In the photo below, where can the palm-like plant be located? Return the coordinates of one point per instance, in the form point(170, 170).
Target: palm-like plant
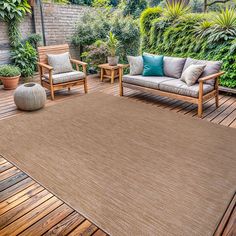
point(112, 44)
point(203, 28)
point(175, 9)
point(224, 26)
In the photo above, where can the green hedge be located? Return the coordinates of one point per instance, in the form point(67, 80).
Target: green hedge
point(179, 38)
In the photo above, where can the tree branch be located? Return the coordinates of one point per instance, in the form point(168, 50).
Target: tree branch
point(217, 1)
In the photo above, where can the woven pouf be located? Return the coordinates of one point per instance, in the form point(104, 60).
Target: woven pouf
point(30, 97)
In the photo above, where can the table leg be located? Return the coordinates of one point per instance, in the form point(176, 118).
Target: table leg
point(102, 72)
point(112, 76)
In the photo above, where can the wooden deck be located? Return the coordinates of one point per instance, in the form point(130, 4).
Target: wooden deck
point(224, 115)
point(27, 208)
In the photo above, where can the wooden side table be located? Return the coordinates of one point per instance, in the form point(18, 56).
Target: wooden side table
point(110, 72)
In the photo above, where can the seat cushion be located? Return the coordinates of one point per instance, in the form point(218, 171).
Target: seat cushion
point(173, 66)
point(145, 81)
point(60, 62)
point(65, 77)
point(181, 88)
point(212, 67)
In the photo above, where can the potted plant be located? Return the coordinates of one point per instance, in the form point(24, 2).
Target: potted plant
point(112, 45)
point(9, 76)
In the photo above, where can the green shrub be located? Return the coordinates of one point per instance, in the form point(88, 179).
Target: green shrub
point(190, 35)
point(9, 71)
point(25, 57)
point(96, 54)
point(147, 17)
point(97, 26)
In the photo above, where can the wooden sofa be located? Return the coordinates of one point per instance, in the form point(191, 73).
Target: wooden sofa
point(159, 86)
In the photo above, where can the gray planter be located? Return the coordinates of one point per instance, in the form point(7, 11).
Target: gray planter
point(113, 61)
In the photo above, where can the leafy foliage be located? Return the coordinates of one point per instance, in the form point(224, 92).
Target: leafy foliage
point(9, 71)
point(96, 27)
point(12, 12)
point(189, 35)
point(25, 57)
point(112, 44)
point(147, 17)
point(96, 53)
point(175, 9)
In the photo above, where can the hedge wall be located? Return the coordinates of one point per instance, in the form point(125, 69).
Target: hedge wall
point(180, 38)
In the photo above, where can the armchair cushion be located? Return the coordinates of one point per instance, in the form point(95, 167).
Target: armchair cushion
point(173, 66)
point(181, 88)
point(212, 67)
point(60, 63)
point(65, 77)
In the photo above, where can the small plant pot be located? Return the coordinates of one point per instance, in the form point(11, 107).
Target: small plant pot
point(113, 61)
point(10, 82)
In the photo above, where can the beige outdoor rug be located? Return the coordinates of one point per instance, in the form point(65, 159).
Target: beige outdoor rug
point(131, 168)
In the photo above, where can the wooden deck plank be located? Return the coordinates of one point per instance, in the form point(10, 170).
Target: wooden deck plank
point(9, 204)
point(84, 229)
point(99, 233)
point(5, 166)
point(31, 217)
point(8, 173)
point(24, 207)
point(16, 188)
point(49, 221)
point(6, 183)
point(66, 225)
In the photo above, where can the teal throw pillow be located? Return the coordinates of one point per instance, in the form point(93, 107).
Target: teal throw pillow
point(153, 65)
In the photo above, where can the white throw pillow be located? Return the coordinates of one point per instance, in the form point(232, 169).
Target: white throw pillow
point(136, 65)
point(60, 63)
point(191, 75)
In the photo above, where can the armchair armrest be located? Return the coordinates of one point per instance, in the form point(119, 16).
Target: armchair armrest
point(209, 77)
point(81, 63)
point(78, 62)
point(45, 66)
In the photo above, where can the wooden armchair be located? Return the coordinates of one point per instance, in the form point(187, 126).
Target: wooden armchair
point(49, 81)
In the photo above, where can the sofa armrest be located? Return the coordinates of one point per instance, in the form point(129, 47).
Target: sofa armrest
point(209, 77)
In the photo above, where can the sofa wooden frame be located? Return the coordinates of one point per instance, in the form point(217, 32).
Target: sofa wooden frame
point(44, 67)
point(199, 101)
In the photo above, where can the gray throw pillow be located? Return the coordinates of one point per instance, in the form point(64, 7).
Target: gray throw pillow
point(136, 65)
point(173, 66)
point(212, 67)
point(191, 75)
point(60, 63)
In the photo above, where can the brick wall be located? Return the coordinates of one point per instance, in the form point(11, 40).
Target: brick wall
point(59, 22)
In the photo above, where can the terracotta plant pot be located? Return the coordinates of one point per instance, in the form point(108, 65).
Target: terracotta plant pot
point(113, 61)
point(10, 82)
